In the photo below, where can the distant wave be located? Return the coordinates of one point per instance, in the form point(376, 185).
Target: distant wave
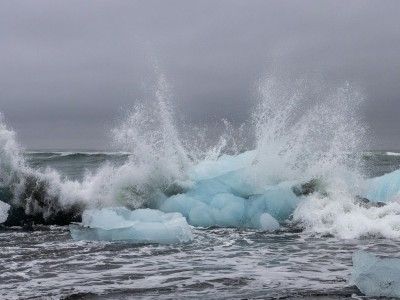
point(70, 154)
point(393, 153)
point(380, 153)
point(66, 153)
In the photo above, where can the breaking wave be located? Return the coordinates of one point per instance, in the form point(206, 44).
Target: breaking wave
point(305, 170)
point(393, 153)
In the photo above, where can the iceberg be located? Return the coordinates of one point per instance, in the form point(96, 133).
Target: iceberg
point(138, 226)
point(385, 187)
point(268, 223)
point(374, 276)
point(206, 207)
point(4, 208)
point(222, 196)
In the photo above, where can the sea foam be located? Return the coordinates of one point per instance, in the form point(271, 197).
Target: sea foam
point(4, 208)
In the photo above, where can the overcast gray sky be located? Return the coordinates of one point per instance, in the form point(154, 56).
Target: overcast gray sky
point(68, 67)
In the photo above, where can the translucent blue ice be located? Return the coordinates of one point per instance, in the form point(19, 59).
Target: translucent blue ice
point(378, 277)
point(139, 226)
point(221, 196)
point(385, 187)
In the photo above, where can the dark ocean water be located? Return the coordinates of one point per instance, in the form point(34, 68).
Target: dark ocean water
point(220, 263)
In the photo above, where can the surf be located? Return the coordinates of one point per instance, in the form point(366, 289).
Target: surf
point(305, 170)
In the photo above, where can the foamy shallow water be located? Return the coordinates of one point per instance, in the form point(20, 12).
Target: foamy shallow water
point(230, 263)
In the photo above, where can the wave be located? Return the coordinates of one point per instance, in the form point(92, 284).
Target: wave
point(304, 171)
point(68, 154)
point(381, 153)
point(393, 153)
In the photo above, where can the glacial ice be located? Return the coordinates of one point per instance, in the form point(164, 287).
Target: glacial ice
point(138, 226)
point(385, 187)
point(4, 207)
point(378, 277)
point(221, 196)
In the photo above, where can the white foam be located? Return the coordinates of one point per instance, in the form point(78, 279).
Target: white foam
point(393, 153)
point(340, 215)
point(4, 208)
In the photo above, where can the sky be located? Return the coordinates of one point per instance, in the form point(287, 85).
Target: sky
point(69, 69)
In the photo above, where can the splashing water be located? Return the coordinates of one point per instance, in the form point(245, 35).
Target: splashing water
point(158, 160)
point(293, 142)
point(305, 169)
point(150, 135)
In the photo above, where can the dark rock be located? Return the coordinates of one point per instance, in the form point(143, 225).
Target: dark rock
point(307, 188)
point(314, 185)
point(32, 204)
point(364, 202)
point(6, 195)
point(18, 217)
point(174, 189)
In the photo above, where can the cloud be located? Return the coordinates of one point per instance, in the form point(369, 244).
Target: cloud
point(68, 66)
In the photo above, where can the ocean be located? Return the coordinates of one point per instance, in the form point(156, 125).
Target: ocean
point(223, 263)
point(171, 215)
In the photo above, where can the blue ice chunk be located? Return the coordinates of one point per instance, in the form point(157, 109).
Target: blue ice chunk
point(206, 189)
point(236, 182)
point(377, 277)
point(267, 222)
point(385, 187)
point(4, 208)
point(231, 182)
point(228, 210)
point(255, 207)
point(280, 203)
point(222, 196)
point(138, 226)
point(182, 203)
point(202, 216)
point(224, 209)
